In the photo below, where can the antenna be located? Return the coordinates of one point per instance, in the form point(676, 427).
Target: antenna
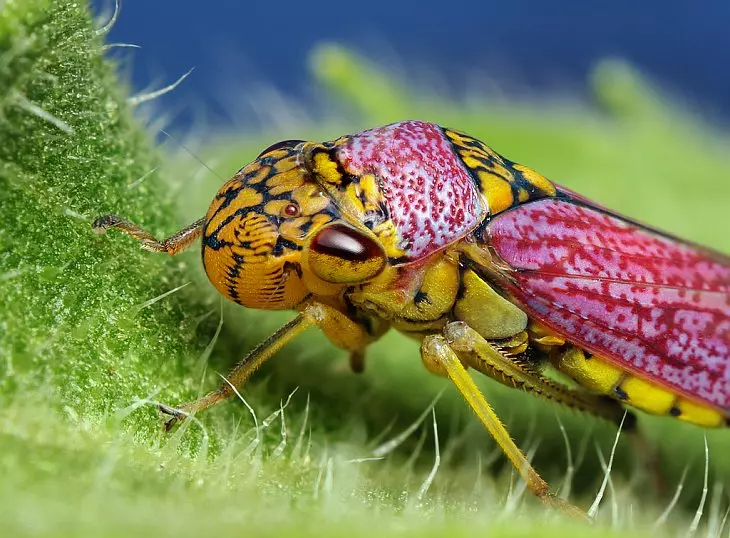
point(168, 135)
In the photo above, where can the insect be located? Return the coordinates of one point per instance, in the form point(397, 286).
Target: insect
point(491, 266)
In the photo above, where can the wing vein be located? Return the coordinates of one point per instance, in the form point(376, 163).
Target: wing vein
point(522, 241)
point(722, 292)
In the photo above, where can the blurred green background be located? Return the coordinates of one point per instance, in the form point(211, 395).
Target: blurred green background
point(93, 330)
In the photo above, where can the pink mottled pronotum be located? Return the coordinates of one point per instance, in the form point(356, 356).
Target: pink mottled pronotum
point(430, 196)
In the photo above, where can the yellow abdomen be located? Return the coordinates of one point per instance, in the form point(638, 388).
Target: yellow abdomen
point(603, 377)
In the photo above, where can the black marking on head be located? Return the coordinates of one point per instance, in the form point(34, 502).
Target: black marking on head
point(232, 273)
point(305, 227)
point(238, 260)
point(228, 197)
point(330, 149)
point(212, 242)
point(275, 292)
point(293, 267)
point(233, 294)
point(283, 245)
point(620, 393)
point(261, 187)
point(675, 411)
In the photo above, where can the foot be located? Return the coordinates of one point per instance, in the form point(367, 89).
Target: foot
point(173, 415)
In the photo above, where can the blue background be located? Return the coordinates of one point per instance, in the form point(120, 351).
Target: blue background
point(527, 47)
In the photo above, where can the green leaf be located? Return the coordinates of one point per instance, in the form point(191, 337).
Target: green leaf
point(73, 321)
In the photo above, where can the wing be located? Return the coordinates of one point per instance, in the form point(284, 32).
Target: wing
point(649, 302)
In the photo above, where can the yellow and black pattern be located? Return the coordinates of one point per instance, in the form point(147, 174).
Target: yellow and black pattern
point(261, 218)
point(601, 376)
point(359, 197)
point(503, 184)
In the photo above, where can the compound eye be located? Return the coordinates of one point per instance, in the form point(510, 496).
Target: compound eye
point(284, 144)
point(344, 255)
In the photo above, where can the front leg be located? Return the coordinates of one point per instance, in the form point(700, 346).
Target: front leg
point(172, 245)
point(341, 330)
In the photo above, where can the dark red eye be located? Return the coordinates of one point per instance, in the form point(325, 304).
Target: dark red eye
point(343, 255)
point(345, 243)
point(284, 144)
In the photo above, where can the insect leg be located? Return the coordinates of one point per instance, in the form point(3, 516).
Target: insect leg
point(440, 358)
point(172, 245)
point(248, 365)
point(601, 377)
point(480, 354)
point(342, 331)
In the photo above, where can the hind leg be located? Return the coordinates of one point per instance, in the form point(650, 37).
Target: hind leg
point(440, 358)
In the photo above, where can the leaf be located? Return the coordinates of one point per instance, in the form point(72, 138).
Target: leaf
point(70, 321)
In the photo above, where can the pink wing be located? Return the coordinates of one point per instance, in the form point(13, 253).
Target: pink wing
point(653, 304)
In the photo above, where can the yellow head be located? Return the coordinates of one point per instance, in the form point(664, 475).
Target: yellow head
point(272, 235)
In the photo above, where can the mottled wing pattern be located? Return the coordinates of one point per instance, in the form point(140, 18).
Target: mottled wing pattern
point(653, 304)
